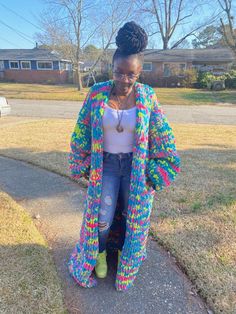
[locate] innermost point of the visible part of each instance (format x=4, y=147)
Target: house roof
x=191, y=55
x=154, y=55
x=185, y=55
x=89, y=63
x=30, y=54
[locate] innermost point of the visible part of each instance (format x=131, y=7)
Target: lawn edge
x=13, y=202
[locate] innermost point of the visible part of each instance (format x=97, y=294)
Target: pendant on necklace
x=119, y=128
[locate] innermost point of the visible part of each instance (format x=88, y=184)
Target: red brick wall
x=36, y=76
x=155, y=77
x=159, y=67
x=189, y=65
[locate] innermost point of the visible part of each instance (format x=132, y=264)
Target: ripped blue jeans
x=116, y=183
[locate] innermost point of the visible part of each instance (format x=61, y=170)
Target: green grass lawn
x=166, y=96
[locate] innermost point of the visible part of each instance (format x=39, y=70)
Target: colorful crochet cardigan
x=155, y=159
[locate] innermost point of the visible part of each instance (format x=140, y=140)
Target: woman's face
x=125, y=74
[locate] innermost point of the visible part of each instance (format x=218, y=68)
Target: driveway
x=217, y=114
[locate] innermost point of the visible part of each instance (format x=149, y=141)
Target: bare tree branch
x=176, y=13
x=117, y=17
x=229, y=33
x=66, y=28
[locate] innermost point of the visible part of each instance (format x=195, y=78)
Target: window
x=147, y=66
x=25, y=65
x=65, y=66
x=1, y=65
x=14, y=64
x=182, y=68
x=167, y=70
x=42, y=65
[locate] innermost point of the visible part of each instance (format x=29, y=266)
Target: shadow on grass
x=30, y=182
x=228, y=96
x=207, y=182
x=207, y=178
x=200, y=96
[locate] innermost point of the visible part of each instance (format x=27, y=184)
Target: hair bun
x=131, y=38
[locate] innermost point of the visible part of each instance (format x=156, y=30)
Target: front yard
x=167, y=96
x=195, y=218
x=29, y=281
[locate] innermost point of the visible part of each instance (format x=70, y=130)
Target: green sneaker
x=101, y=265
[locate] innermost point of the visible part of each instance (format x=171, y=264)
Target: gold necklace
x=119, y=127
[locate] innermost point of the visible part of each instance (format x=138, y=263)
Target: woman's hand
x=149, y=183
x=86, y=176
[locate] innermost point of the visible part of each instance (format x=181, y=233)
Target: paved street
x=217, y=114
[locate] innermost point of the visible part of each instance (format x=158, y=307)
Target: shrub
x=230, y=79
x=177, y=79
x=149, y=78
x=101, y=77
x=205, y=78
x=230, y=83
x=190, y=77
x=154, y=80
x=49, y=82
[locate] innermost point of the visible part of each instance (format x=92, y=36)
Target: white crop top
x=115, y=142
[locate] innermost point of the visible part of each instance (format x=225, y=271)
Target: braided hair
x=130, y=40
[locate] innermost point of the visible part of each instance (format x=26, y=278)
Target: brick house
x=35, y=65
x=159, y=65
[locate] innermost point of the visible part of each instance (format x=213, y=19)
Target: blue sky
x=30, y=9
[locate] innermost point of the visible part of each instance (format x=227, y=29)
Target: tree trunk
x=79, y=86
x=165, y=44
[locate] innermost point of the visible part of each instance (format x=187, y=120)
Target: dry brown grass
x=29, y=283
x=167, y=96
x=44, y=143
x=41, y=91
x=195, y=218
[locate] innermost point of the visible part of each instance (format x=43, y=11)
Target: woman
x=122, y=143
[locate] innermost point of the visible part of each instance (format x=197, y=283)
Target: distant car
x=5, y=108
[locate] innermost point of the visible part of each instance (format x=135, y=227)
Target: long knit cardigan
x=155, y=160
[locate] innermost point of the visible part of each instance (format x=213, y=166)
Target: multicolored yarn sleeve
x=164, y=161
x=80, y=154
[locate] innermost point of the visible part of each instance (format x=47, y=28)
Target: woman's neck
x=117, y=93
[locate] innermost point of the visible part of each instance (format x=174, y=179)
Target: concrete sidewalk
x=160, y=286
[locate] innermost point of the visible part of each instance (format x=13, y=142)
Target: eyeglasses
x=121, y=76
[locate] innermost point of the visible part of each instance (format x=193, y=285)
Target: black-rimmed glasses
x=121, y=76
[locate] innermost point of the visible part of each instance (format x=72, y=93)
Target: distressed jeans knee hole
x=103, y=226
